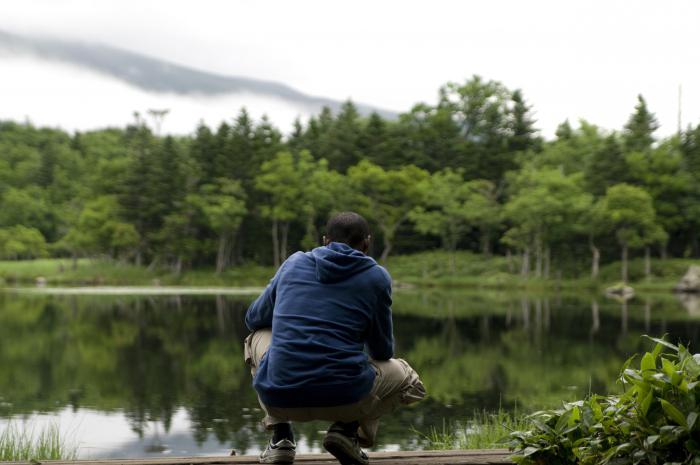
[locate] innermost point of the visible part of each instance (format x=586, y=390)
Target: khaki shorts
x=395, y=384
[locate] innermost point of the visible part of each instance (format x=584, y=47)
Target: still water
x=142, y=376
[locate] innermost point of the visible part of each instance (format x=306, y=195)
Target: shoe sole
x=342, y=449
x=278, y=456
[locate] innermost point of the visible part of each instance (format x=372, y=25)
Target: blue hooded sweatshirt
x=324, y=307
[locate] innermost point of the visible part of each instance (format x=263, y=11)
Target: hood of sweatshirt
x=337, y=262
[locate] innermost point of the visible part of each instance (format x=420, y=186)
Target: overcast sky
x=582, y=59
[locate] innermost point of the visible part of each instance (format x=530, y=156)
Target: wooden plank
x=449, y=457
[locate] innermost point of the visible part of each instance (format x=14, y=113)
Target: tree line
x=469, y=171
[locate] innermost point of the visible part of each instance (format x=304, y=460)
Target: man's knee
x=397, y=377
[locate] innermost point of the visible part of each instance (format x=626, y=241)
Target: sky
x=572, y=59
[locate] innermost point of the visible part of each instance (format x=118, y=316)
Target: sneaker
x=279, y=452
x=344, y=447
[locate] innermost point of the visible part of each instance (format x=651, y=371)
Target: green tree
x=21, y=242
x=444, y=210
x=452, y=206
x=544, y=208
x=490, y=133
x=344, y=137
x=285, y=183
x=387, y=196
x=223, y=204
x=660, y=172
x=606, y=166
x=638, y=133
x=629, y=210
x=99, y=230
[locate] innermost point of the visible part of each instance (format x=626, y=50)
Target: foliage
x=222, y=194
x=483, y=431
x=654, y=421
x=21, y=242
x=387, y=196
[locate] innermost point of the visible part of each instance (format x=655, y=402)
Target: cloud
x=572, y=59
x=72, y=98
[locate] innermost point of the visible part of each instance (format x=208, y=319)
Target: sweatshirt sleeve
x=259, y=314
x=380, y=342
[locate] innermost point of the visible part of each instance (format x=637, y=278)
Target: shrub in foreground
x=654, y=421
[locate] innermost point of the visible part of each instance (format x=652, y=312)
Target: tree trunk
x=538, y=257
x=283, y=244
x=547, y=262
x=178, y=265
x=595, y=317
x=595, y=262
x=221, y=253
x=525, y=268
x=647, y=263
x=509, y=258
x=624, y=264
x=387, y=248
x=486, y=244
x=275, y=244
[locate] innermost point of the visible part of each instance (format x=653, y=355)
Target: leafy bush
x=654, y=421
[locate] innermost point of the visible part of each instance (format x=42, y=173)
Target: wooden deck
x=450, y=457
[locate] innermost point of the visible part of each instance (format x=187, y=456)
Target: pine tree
x=344, y=136
x=638, y=132
x=523, y=125
x=203, y=151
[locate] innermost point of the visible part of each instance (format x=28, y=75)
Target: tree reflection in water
x=151, y=357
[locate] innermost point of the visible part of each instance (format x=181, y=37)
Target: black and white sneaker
x=279, y=452
x=344, y=447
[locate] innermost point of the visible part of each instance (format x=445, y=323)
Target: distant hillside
x=154, y=75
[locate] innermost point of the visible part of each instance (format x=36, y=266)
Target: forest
x=468, y=172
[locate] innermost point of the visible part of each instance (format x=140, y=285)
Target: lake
x=129, y=376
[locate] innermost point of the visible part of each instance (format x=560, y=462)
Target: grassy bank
x=89, y=272
x=483, y=431
x=468, y=270
x=23, y=443
x=427, y=269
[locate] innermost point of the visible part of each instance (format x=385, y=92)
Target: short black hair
x=348, y=228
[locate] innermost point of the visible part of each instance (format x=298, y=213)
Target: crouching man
x=310, y=328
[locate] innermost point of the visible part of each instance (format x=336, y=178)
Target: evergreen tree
x=606, y=166
x=638, y=133
x=203, y=151
x=344, y=139
x=522, y=125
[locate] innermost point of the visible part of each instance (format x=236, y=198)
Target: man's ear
x=365, y=244
x=325, y=240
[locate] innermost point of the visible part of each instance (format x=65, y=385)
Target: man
x=306, y=352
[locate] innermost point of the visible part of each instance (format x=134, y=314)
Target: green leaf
x=673, y=412
x=648, y=362
x=662, y=342
x=646, y=403
x=691, y=420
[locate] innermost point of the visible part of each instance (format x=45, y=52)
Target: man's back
x=323, y=307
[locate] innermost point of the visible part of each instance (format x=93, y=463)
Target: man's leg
x=281, y=448
x=397, y=383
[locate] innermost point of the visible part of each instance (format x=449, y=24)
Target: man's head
x=348, y=228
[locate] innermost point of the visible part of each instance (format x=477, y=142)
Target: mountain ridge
x=161, y=76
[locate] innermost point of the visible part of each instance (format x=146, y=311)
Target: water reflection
x=157, y=375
